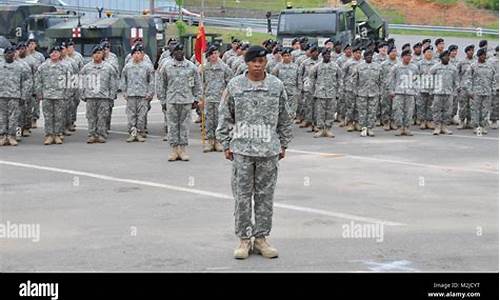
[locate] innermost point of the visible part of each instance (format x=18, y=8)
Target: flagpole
x=203, y=125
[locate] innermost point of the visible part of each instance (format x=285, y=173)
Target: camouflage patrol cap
x=255, y=51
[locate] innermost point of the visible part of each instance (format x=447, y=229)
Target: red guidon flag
x=201, y=43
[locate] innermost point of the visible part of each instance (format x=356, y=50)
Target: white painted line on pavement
x=198, y=192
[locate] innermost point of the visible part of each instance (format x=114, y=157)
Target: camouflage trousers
x=211, y=118
x=464, y=103
x=178, y=129
x=23, y=114
x=307, y=108
x=480, y=107
x=35, y=108
x=341, y=109
x=352, y=113
x=53, y=114
x=367, y=107
x=9, y=111
x=424, y=107
x=293, y=100
x=325, y=111
x=453, y=108
x=146, y=117
x=110, y=114
x=494, y=107
x=441, y=108
x=300, y=105
x=165, y=117
x=253, y=178
x=98, y=114
x=386, y=109
x=403, y=110
x=72, y=107
x=136, y=110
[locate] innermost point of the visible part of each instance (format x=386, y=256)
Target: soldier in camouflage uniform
x=306, y=87
x=326, y=82
x=341, y=103
x=417, y=53
x=453, y=115
x=235, y=62
x=494, y=104
x=367, y=83
x=255, y=128
x=425, y=98
x=352, y=113
x=288, y=72
x=235, y=43
x=99, y=94
x=298, y=48
x=25, y=109
x=180, y=89
x=70, y=102
x=112, y=59
x=381, y=56
x=78, y=58
x=276, y=59
x=446, y=84
x=137, y=84
x=51, y=87
x=403, y=87
x=216, y=76
x=480, y=84
x=463, y=98
x=40, y=59
x=15, y=86
x=386, y=102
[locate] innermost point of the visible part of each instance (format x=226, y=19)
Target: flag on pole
x=201, y=43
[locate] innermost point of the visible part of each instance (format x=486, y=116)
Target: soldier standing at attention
x=100, y=96
x=386, y=102
x=306, y=87
x=367, y=82
x=216, y=77
x=481, y=85
x=15, y=86
x=235, y=44
x=352, y=113
x=463, y=98
x=494, y=104
x=31, y=51
x=326, y=82
x=180, y=89
x=402, y=90
x=25, y=112
x=288, y=72
x=417, y=53
x=443, y=93
x=51, y=87
x=424, y=98
x=137, y=84
x=255, y=102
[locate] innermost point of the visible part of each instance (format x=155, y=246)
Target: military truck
x=120, y=31
x=14, y=19
x=340, y=23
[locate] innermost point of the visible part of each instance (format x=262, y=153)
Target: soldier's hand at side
x=229, y=154
x=194, y=105
x=282, y=153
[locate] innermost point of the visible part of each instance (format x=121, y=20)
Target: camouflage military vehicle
x=120, y=31
x=13, y=19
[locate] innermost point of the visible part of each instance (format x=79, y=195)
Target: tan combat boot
x=173, y=153
x=140, y=138
x=218, y=146
x=319, y=134
x=91, y=140
x=130, y=139
x=461, y=125
x=12, y=141
x=445, y=130
x=350, y=127
x=181, y=150
x=494, y=125
x=400, y=132
x=394, y=126
x=423, y=125
x=305, y=124
x=342, y=122
x=329, y=133
x=209, y=146
x=408, y=131
x=370, y=132
x=430, y=125
x=48, y=140
x=4, y=141
x=357, y=127
x=67, y=132
x=101, y=139
x=387, y=126
x=58, y=140
x=243, y=249
x=437, y=129
x=26, y=132
x=33, y=123
x=262, y=247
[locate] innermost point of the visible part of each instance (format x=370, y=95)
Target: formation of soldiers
x=425, y=84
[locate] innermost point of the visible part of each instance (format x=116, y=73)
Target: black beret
x=438, y=41
x=407, y=45
x=347, y=46
x=452, y=48
x=245, y=47
x=255, y=51
x=71, y=43
x=483, y=43
x=330, y=40
x=9, y=49
x=211, y=50
x=356, y=48
x=406, y=53
x=171, y=40
x=287, y=50
x=32, y=40
x=63, y=45
x=381, y=45
x=305, y=47
x=444, y=53
x=428, y=48
x=97, y=49
x=105, y=45
x=55, y=48
x=426, y=41
x=417, y=45
x=137, y=48
x=337, y=43
x=278, y=49
x=313, y=47
x=20, y=45
x=178, y=46
x=236, y=41
x=391, y=48
x=470, y=47
x=325, y=50
x=303, y=39
x=295, y=40
x=390, y=41
x=368, y=53
x=481, y=51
